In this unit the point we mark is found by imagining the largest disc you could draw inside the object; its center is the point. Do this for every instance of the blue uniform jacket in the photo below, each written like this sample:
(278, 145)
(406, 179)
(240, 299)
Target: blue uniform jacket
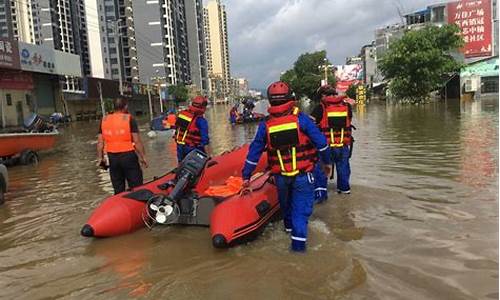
(202, 125)
(260, 142)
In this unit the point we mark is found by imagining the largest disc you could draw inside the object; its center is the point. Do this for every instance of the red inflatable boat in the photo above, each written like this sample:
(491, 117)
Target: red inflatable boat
(182, 197)
(242, 217)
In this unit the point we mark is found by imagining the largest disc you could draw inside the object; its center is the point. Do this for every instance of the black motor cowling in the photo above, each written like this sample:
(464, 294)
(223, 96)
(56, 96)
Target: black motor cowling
(36, 123)
(167, 210)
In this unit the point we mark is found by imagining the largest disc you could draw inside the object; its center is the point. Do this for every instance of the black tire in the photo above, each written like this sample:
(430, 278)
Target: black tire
(28, 157)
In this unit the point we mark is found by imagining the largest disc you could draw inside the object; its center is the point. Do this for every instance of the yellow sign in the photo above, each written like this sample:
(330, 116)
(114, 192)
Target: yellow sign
(360, 95)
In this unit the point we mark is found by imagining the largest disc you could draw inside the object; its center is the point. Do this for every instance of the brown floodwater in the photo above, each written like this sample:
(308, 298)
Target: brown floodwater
(421, 222)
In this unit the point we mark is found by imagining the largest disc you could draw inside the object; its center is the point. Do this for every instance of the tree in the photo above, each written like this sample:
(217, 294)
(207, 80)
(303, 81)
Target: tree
(179, 92)
(417, 63)
(351, 91)
(305, 76)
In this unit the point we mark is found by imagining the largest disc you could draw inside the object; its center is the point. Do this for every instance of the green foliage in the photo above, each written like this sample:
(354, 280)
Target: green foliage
(108, 105)
(417, 63)
(306, 74)
(179, 93)
(351, 91)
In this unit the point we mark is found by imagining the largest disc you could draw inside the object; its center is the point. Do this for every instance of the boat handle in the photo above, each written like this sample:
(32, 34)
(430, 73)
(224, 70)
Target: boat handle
(246, 191)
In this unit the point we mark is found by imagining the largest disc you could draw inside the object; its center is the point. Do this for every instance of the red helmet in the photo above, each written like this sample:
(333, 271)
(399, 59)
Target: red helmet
(279, 92)
(199, 101)
(326, 90)
(199, 104)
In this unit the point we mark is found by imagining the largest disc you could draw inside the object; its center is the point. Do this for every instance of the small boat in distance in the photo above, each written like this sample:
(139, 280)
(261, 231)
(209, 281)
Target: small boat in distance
(22, 146)
(163, 125)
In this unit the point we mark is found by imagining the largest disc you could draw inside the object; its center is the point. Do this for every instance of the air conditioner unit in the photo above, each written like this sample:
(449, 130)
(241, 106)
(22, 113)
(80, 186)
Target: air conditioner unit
(471, 84)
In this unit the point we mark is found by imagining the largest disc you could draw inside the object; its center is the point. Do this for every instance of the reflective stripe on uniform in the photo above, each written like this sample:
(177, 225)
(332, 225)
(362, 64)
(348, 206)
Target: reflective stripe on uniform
(294, 170)
(323, 149)
(185, 117)
(282, 127)
(341, 144)
(299, 238)
(337, 114)
(251, 162)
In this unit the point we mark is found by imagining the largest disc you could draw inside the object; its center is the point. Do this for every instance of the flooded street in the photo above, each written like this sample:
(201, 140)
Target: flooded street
(421, 222)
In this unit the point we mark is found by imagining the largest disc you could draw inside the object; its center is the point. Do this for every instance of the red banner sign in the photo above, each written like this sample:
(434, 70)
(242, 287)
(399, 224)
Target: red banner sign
(474, 19)
(344, 85)
(9, 54)
(16, 80)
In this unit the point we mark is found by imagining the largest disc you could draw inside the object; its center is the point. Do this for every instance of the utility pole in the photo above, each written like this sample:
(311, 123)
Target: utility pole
(2, 108)
(150, 103)
(63, 100)
(103, 110)
(159, 93)
(325, 67)
(326, 72)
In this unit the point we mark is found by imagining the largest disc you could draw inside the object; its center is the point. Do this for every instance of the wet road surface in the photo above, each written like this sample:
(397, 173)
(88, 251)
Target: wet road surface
(421, 222)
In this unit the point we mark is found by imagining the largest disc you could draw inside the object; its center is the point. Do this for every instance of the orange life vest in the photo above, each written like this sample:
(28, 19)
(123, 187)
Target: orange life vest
(289, 150)
(336, 123)
(116, 133)
(187, 133)
(169, 121)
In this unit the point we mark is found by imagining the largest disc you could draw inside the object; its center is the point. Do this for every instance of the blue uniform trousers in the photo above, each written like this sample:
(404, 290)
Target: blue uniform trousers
(296, 196)
(320, 184)
(340, 160)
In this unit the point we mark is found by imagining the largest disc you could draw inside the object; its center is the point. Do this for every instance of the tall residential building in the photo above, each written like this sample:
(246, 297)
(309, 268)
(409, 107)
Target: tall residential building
(368, 57)
(97, 39)
(114, 22)
(170, 42)
(60, 25)
(196, 43)
(5, 19)
(219, 75)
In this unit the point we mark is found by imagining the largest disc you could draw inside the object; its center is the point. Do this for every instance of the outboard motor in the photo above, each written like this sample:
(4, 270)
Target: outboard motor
(166, 210)
(36, 123)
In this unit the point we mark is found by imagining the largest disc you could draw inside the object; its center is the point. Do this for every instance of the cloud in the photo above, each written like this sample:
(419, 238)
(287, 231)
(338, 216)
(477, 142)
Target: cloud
(266, 37)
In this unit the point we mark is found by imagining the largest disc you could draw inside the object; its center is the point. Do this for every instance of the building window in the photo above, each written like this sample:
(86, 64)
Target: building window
(438, 14)
(8, 98)
(28, 99)
(489, 84)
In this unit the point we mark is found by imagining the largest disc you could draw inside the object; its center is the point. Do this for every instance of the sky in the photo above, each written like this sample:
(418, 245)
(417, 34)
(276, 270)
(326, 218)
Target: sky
(267, 36)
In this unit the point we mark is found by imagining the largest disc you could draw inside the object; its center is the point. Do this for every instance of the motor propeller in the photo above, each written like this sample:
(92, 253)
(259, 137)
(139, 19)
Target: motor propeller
(162, 212)
(161, 209)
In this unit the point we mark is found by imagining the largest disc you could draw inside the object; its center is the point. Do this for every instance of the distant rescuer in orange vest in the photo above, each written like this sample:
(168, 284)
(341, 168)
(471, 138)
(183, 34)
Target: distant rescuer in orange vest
(119, 137)
(169, 121)
(192, 128)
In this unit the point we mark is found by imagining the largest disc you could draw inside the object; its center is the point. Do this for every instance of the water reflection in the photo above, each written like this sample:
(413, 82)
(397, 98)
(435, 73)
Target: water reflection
(128, 264)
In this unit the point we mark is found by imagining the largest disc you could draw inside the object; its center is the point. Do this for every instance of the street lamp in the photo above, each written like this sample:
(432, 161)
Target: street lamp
(325, 66)
(159, 88)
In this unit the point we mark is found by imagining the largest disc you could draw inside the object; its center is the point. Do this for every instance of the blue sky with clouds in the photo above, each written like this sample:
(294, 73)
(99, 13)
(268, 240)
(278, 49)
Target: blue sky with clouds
(266, 36)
